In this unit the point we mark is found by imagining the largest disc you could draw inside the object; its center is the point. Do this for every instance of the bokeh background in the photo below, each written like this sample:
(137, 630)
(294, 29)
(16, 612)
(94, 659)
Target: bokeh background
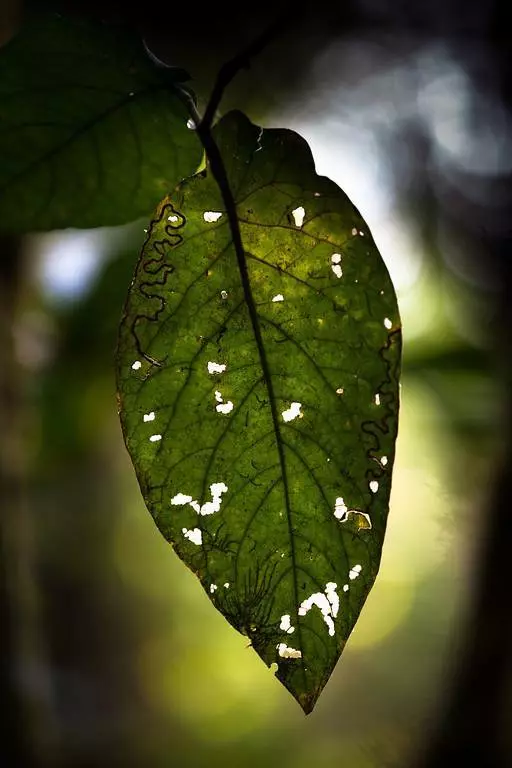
(121, 658)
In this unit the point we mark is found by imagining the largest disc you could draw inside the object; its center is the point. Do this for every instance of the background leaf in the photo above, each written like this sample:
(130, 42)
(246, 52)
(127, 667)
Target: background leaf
(92, 132)
(260, 404)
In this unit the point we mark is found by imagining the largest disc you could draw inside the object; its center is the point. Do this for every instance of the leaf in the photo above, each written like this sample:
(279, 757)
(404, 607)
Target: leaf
(93, 133)
(260, 409)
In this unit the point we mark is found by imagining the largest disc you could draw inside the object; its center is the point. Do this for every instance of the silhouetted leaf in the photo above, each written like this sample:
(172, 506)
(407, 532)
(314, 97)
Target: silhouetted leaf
(92, 132)
(259, 401)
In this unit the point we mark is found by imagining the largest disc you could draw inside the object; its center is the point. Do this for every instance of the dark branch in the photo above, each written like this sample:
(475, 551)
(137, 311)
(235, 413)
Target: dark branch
(282, 22)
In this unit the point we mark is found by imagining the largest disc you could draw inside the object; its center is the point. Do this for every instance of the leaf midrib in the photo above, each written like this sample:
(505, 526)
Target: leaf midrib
(219, 173)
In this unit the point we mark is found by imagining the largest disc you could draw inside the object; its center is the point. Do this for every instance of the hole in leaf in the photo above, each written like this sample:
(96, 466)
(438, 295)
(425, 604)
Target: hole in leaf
(298, 216)
(286, 625)
(288, 653)
(377, 399)
(215, 368)
(155, 438)
(191, 125)
(211, 216)
(374, 486)
(149, 416)
(278, 297)
(340, 509)
(213, 587)
(383, 460)
(292, 412)
(137, 365)
(387, 323)
(194, 535)
(355, 571)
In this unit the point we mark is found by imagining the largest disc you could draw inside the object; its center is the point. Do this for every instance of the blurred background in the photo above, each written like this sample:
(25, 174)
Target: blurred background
(120, 657)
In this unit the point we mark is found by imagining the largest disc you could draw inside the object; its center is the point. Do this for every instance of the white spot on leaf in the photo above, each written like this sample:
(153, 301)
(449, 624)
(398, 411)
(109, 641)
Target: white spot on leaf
(355, 571)
(335, 262)
(383, 460)
(387, 323)
(155, 438)
(377, 399)
(374, 486)
(285, 624)
(136, 365)
(288, 653)
(226, 585)
(346, 587)
(149, 416)
(216, 367)
(298, 216)
(211, 216)
(194, 535)
(328, 604)
(354, 231)
(191, 125)
(340, 391)
(172, 217)
(213, 587)
(292, 412)
(224, 407)
(332, 596)
(209, 507)
(340, 509)
(278, 297)
(180, 499)
(223, 294)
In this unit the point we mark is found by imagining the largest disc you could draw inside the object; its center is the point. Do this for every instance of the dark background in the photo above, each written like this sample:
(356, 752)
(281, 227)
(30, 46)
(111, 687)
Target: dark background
(111, 653)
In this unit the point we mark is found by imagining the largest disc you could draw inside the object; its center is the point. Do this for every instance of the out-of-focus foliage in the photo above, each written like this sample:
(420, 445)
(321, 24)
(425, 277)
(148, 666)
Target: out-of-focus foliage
(93, 133)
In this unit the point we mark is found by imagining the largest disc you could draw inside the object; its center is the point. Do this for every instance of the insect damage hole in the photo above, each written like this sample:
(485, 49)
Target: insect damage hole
(336, 264)
(355, 571)
(288, 653)
(374, 486)
(215, 367)
(278, 297)
(387, 323)
(286, 625)
(222, 407)
(137, 365)
(149, 416)
(194, 535)
(298, 216)
(292, 412)
(155, 438)
(211, 216)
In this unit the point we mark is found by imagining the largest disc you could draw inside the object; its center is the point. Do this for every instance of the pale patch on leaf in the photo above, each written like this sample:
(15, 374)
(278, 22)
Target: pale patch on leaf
(194, 535)
(211, 216)
(288, 653)
(292, 412)
(298, 216)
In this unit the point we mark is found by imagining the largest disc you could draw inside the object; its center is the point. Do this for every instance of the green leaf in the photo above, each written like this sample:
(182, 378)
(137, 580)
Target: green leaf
(279, 508)
(92, 132)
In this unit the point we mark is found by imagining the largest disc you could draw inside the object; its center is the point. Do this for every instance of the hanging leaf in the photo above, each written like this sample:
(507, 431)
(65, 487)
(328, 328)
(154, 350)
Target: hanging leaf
(93, 133)
(259, 397)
